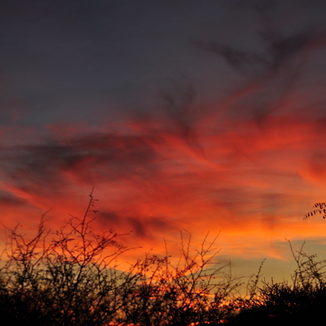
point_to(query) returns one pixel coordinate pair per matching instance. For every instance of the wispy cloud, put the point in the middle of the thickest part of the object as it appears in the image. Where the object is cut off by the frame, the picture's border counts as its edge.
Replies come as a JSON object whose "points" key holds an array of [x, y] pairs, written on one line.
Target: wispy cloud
{"points": [[114, 97]]}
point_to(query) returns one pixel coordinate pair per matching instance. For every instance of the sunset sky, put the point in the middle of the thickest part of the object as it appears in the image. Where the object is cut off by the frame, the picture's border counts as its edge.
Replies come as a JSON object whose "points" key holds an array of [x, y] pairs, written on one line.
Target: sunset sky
{"points": [[183, 115]]}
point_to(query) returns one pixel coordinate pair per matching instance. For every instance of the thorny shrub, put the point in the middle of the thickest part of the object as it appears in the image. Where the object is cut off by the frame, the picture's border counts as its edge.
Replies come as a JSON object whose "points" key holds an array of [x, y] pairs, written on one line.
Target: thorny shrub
{"points": [[300, 301], [70, 277]]}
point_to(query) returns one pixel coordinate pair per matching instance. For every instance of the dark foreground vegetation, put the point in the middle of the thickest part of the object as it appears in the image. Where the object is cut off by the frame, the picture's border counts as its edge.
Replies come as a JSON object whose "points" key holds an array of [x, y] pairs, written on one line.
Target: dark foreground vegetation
{"points": [[71, 277]]}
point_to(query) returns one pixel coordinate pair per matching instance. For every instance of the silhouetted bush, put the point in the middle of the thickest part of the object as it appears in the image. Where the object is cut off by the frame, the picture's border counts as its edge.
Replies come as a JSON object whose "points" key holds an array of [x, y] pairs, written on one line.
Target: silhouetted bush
{"points": [[300, 302], [70, 277]]}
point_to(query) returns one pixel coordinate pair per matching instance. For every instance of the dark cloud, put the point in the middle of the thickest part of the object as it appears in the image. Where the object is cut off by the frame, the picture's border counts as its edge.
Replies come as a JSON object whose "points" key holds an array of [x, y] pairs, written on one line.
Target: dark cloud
{"points": [[179, 105], [276, 52], [36, 168], [150, 227], [272, 66], [285, 31], [244, 62], [110, 219], [8, 199], [91, 157], [140, 226], [283, 49]]}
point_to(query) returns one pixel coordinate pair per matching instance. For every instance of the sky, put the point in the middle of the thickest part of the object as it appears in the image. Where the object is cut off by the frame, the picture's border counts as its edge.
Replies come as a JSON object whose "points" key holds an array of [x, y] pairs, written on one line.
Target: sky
{"points": [[185, 116]]}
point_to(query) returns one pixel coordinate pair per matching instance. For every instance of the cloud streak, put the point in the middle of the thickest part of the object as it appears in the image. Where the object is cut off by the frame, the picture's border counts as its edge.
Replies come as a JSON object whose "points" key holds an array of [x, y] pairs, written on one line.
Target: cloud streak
{"points": [[218, 124]]}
